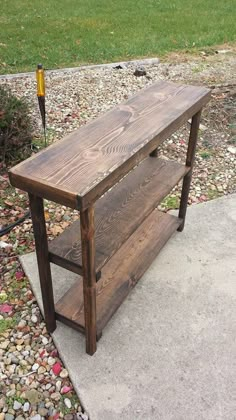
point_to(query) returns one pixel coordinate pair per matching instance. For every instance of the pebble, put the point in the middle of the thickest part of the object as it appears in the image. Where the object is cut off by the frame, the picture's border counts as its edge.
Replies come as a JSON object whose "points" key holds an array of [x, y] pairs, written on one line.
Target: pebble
{"points": [[22, 323], [17, 405], [68, 417], [140, 71], [82, 416], [64, 373], [51, 361], [34, 319], [9, 416], [67, 402], [45, 340], [41, 370], [58, 385], [51, 411], [35, 366], [36, 417], [232, 150], [26, 406], [42, 411], [56, 396], [4, 344], [33, 396], [11, 369], [11, 393]]}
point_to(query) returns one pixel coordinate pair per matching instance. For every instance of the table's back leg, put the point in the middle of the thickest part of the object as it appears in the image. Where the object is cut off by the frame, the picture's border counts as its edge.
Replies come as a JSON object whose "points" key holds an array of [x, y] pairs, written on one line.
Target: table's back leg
{"points": [[89, 277], [189, 162], [41, 245]]}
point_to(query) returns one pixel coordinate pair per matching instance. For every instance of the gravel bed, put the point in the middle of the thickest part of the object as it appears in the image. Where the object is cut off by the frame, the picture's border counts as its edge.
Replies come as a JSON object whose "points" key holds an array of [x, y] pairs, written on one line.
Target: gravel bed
{"points": [[33, 381]]}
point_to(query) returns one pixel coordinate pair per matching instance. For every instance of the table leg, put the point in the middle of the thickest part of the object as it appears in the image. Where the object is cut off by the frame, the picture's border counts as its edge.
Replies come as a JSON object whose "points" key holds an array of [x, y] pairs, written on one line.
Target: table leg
{"points": [[189, 162], [41, 245], [89, 277]]}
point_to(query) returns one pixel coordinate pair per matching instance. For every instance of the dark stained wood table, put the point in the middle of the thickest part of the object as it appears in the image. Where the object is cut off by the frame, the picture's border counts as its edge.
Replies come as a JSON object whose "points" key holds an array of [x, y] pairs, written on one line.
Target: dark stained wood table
{"points": [[120, 231]]}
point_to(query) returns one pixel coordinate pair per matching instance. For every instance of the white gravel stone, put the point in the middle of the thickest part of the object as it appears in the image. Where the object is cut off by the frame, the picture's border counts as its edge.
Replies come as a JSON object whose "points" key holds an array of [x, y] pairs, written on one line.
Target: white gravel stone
{"points": [[232, 150], [67, 402], [26, 406], [35, 366], [17, 405], [45, 340], [51, 361], [34, 319], [58, 386]]}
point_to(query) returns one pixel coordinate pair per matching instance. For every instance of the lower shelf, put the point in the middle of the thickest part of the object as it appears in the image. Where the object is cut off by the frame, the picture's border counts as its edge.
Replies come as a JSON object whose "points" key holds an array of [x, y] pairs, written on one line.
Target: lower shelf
{"points": [[121, 273]]}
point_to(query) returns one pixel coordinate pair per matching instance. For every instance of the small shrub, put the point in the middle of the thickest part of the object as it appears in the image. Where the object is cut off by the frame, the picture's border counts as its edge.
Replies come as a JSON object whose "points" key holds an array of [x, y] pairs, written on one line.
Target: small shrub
{"points": [[205, 154], [15, 126], [6, 324]]}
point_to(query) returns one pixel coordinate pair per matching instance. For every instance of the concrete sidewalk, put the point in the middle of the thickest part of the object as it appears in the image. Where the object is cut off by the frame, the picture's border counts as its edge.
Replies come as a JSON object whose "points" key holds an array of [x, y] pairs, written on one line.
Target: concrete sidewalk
{"points": [[169, 353]]}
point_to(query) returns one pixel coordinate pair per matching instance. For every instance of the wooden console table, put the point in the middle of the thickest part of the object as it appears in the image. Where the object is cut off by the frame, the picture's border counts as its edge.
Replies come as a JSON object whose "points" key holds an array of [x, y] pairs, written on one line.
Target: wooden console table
{"points": [[120, 231]]}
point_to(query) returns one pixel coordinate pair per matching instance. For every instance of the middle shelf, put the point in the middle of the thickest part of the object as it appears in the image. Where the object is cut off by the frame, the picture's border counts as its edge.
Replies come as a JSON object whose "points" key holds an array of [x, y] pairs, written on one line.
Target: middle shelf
{"points": [[119, 213]]}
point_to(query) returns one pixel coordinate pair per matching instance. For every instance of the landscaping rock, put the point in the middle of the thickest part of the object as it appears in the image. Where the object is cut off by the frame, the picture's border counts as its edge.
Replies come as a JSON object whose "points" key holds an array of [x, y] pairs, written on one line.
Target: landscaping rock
{"points": [[26, 407], [9, 416], [67, 402], [17, 405], [140, 71]]}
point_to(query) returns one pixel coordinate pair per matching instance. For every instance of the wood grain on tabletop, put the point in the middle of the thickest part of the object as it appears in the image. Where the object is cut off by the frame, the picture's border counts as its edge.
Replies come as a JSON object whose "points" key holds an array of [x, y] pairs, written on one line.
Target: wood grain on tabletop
{"points": [[77, 170]]}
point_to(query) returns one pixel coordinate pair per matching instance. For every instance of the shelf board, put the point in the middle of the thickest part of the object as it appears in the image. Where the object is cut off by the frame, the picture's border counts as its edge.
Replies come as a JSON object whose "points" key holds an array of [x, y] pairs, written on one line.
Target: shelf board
{"points": [[118, 213], [121, 273]]}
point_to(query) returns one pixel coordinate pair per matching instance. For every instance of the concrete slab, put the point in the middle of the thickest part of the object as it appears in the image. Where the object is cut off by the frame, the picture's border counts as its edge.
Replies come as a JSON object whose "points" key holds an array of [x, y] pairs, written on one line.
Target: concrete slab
{"points": [[170, 351]]}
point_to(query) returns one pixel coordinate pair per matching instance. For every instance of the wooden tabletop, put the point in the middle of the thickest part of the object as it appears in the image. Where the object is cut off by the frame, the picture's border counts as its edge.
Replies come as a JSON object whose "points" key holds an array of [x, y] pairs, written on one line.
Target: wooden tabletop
{"points": [[77, 170]]}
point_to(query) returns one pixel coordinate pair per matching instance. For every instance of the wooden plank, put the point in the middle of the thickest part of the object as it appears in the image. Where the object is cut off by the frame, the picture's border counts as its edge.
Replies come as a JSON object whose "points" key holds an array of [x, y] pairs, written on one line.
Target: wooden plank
{"points": [[84, 165], [89, 278], [119, 213], [189, 162], [41, 245], [122, 272]]}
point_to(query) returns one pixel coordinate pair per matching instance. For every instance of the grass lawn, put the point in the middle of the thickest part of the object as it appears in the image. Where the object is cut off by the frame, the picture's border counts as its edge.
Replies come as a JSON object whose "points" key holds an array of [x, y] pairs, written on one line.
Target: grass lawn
{"points": [[64, 33]]}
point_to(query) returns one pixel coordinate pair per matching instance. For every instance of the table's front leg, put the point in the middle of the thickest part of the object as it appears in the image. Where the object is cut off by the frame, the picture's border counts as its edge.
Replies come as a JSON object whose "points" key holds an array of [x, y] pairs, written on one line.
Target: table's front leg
{"points": [[89, 277], [41, 245], [189, 162]]}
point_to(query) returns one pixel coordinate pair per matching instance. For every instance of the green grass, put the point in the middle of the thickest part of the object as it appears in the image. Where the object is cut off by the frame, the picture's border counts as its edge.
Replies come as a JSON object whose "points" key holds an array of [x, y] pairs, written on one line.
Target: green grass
{"points": [[70, 32], [205, 154], [171, 202], [212, 194], [6, 324]]}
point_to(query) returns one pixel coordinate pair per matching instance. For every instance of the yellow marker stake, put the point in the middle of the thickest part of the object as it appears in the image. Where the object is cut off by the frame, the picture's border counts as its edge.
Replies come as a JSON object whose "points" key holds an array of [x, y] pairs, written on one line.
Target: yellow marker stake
{"points": [[40, 80], [41, 95]]}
